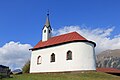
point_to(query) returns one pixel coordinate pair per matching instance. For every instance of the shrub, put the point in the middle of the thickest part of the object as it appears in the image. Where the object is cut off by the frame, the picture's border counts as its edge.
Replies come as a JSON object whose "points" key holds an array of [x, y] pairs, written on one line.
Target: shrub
{"points": [[26, 67]]}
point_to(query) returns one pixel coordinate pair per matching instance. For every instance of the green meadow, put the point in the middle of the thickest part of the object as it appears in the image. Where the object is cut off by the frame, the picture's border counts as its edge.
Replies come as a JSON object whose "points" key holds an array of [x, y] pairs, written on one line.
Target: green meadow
{"points": [[65, 76]]}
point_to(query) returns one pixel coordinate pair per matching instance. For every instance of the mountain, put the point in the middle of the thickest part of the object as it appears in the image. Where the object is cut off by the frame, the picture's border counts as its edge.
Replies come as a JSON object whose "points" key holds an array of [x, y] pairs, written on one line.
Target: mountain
{"points": [[109, 59]]}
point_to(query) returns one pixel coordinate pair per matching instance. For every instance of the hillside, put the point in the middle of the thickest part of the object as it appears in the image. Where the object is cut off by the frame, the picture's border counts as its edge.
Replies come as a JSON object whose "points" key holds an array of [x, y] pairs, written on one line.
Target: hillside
{"points": [[109, 58], [65, 76]]}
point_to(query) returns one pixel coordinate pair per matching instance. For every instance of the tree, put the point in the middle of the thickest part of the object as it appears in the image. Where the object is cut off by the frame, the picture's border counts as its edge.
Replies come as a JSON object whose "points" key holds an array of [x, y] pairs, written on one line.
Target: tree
{"points": [[26, 67]]}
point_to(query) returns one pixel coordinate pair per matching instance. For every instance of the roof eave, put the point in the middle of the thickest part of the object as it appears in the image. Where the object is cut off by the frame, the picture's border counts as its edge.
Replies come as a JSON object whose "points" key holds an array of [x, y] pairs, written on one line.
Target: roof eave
{"points": [[63, 43]]}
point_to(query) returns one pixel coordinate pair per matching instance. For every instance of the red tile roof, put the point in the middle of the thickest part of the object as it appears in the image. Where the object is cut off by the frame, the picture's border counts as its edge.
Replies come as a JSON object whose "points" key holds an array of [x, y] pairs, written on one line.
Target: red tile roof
{"points": [[73, 36], [108, 70]]}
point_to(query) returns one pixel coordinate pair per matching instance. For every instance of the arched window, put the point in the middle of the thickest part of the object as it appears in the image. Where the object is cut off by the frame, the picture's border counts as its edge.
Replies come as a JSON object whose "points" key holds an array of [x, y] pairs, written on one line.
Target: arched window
{"points": [[44, 31], [69, 55], [39, 60], [52, 57], [49, 31]]}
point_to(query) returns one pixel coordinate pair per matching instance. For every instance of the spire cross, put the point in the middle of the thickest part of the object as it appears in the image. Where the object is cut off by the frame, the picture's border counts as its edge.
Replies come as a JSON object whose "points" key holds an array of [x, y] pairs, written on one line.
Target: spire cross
{"points": [[48, 12]]}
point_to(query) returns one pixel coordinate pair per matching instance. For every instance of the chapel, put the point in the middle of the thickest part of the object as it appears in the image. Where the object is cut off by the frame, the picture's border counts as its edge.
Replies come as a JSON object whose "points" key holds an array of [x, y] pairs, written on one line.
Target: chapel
{"points": [[62, 53]]}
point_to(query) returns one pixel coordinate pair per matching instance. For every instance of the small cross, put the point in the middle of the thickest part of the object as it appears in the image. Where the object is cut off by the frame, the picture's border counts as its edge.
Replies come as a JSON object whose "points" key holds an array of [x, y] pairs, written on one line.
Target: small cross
{"points": [[48, 12]]}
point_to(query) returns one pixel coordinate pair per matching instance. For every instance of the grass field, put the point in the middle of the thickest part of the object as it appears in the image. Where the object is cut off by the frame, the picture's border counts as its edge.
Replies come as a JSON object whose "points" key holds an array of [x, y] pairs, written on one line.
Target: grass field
{"points": [[65, 76]]}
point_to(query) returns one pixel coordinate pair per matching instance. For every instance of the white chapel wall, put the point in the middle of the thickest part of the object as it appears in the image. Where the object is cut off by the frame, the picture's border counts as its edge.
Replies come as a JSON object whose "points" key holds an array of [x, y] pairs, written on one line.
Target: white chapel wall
{"points": [[83, 58]]}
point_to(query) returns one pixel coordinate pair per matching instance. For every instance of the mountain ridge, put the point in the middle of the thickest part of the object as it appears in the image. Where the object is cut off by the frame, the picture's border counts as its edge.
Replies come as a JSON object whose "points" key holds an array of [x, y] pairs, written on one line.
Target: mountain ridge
{"points": [[109, 59]]}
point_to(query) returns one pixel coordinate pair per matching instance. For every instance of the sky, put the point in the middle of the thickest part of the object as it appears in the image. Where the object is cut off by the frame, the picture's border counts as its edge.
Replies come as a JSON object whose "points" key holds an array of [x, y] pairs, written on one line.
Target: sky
{"points": [[21, 23]]}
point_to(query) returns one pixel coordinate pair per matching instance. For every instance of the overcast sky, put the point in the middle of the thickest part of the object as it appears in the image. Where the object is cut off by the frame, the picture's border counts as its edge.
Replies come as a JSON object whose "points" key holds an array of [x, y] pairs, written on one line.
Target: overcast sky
{"points": [[21, 22]]}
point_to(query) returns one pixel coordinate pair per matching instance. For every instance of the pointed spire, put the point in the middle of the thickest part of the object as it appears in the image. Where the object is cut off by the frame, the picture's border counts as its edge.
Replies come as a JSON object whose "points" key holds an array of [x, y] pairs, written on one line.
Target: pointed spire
{"points": [[47, 24], [47, 31]]}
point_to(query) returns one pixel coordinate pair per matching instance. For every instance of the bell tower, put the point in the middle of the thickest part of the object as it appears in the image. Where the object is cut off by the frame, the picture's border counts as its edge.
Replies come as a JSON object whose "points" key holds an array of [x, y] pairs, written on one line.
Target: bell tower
{"points": [[46, 32]]}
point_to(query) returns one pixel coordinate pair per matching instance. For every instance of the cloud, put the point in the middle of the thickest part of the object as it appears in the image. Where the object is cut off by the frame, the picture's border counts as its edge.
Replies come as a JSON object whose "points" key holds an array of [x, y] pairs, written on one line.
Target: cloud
{"points": [[14, 54], [102, 37]]}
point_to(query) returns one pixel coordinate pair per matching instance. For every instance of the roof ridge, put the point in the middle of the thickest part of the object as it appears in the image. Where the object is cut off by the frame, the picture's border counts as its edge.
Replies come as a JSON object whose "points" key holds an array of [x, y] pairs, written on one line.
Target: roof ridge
{"points": [[67, 34], [64, 38]]}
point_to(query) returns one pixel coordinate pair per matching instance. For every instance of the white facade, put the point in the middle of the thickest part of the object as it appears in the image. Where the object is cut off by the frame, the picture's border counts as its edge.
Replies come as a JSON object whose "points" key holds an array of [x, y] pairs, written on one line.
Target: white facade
{"points": [[83, 58], [46, 33]]}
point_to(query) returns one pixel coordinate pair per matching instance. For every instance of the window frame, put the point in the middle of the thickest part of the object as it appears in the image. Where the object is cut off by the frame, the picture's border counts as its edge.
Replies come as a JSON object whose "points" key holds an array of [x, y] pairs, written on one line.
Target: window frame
{"points": [[39, 60], [69, 55], [52, 57]]}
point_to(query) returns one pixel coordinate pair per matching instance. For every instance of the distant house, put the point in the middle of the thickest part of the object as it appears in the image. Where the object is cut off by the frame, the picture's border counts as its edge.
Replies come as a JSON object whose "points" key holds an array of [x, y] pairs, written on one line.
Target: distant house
{"points": [[17, 71], [63, 53], [4, 71]]}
